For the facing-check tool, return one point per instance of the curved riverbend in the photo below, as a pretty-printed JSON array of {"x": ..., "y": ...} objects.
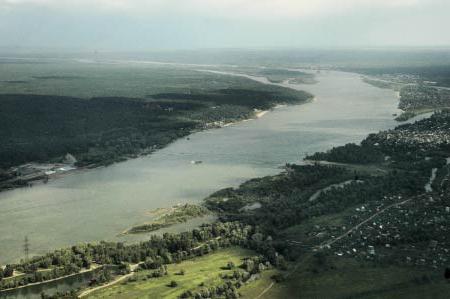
[{"x": 98, "y": 204}]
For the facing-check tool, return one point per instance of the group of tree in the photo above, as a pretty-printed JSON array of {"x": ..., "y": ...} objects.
[{"x": 153, "y": 254}]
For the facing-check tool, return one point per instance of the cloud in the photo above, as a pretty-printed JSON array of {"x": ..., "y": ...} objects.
[
  {"x": 242, "y": 9},
  {"x": 132, "y": 24}
]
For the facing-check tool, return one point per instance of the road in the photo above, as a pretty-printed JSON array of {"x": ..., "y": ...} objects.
[{"x": 334, "y": 240}]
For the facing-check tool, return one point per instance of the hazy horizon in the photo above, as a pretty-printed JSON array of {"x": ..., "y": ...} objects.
[{"x": 138, "y": 25}]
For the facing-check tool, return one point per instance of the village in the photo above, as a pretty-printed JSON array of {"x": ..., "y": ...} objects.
[
  {"x": 422, "y": 96},
  {"x": 412, "y": 231}
]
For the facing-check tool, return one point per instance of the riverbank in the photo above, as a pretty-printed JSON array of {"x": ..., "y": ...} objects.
[
  {"x": 180, "y": 213},
  {"x": 118, "y": 194},
  {"x": 317, "y": 181},
  {"x": 27, "y": 175},
  {"x": 83, "y": 271},
  {"x": 284, "y": 121}
]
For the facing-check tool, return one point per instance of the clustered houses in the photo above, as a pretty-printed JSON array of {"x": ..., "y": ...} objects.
[
  {"x": 401, "y": 78},
  {"x": 412, "y": 230},
  {"x": 428, "y": 134},
  {"x": 419, "y": 140},
  {"x": 416, "y": 232},
  {"x": 420, "y": 96}
]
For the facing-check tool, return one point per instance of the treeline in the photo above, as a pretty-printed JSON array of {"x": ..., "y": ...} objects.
[
  {"x": 406, "y": 144},
  {"x": 232, "y": 281},
  {"x": 291, "y": 206},
  {"x": 264, "y": 98},
  {"x": 100, "y": 131},
  {"x": 296, "y": 180},
  {"x": 158, "y": 251},
  {"x": 350, "y": 153}
]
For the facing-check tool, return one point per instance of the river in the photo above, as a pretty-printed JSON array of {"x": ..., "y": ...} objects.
[{"x": 98, "y": 204}]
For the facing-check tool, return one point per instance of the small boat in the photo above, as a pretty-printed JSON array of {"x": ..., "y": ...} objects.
[{"x": 196, "y": 162}]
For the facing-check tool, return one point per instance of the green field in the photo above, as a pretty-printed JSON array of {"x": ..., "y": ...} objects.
[
  {"x": 256, "y": 288},
  {"x": 206, "y": 269},
  {"x": 348, "y": 278}
]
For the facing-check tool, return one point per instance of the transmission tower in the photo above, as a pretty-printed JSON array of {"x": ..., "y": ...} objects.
[{"x": 26, "y": 247}]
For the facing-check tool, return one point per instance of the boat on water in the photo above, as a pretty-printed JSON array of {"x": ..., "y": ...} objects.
[{"x": 196, "y": 162}]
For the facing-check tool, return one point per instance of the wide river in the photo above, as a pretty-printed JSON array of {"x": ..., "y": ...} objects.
[{"x": 98, "y": 204}]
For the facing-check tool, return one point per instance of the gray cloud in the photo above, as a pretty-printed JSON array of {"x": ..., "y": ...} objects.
[{"x": 143, "y": 24}]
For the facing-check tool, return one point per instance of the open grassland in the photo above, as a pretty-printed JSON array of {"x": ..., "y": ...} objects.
[
  {"x": 348, "y": 278},
  {"x": 203, "y": 270},
  {"x": 130, "y": 80},
  {"x": 257, "y": 287}
]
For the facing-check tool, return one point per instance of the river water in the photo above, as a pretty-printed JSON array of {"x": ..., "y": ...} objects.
[{"x": 98, "y": 204}]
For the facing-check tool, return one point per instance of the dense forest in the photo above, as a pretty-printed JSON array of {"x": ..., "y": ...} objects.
[{"x": 106, "y": 129}]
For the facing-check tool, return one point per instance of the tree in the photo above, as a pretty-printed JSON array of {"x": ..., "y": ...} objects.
[
  {"x": 230, "y": 265},
  {"x": 9, "y": 271},
  {"x": 173, "y": 284}
]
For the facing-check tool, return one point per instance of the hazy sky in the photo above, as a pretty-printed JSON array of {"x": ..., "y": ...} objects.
[{"x": 163, "y": 24}]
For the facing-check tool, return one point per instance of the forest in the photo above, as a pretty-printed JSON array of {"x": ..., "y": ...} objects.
[{"x": 102, "y": 130}]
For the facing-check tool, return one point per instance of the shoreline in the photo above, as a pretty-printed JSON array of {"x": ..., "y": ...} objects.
[
  {"x": 51, "y": 280},
  {"x": 257, "y": 114},
  {"x": 262, "y": 113}
]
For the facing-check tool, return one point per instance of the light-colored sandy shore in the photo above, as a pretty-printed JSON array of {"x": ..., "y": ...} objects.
[{"x": 261, "y": 113}]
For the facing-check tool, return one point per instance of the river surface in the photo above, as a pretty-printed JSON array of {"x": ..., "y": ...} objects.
[{"x": 98, "y": 204}]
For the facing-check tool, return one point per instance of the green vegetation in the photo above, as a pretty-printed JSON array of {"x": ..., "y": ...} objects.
[
  {"x": 201, "y": 273},
  {"x": 416, "y": 97},
  {"x": 151, "y": 254},
  {"x": 276, "y": 75},
  {"x": 356, "y": 234},
  {"x": 177, "y": 214},
  {"x": 281, "y": 75},
  {"x": 100, "y": 118},
  {"x": 259, "y": 99},
  {"x": 325, "y": 231},
  {"x": 436, "y": 71},
  {"x": 419, "y": 92},
  {"x": 382, "y": 84},
  {"x": 407, "y": 260},
  {"x": 347, "y": 278},
  {"x": 96, "y": 131},
  {"x": 350, "y": 153}
]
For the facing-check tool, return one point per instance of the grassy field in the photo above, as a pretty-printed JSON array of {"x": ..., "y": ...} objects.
[
  {"x": 348, "y": 278},
  {"x": 204, "y": 269},
  {"x": 254, "y": 289}
]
